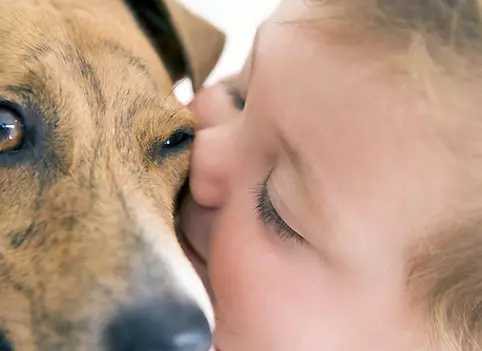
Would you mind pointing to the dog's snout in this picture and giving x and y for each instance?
(159, 325)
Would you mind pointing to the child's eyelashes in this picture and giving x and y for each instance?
(270, 217)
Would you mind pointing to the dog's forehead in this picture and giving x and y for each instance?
(87, 25)
(93, 46)
(105, 30)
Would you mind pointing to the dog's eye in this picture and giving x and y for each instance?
(178, 139)
(177, 142)
(11, 130)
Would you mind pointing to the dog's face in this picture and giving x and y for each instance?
(93, 148)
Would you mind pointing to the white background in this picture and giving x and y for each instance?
(239, 20)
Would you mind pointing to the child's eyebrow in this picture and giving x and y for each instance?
(299, 164)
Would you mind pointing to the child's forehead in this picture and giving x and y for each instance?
(308, 87)
(296, 57)
(296, 53)
(307, 76)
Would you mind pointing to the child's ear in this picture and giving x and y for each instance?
(189, 45)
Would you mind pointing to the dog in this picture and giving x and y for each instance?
(94, 148)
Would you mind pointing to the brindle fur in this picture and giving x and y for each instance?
(72, 243)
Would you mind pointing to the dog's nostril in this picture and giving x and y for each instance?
(159, 325)
(5, 344)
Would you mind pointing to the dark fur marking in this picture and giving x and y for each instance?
(135, 62)
(117, 190)
(23, 238)
(67, 56)
(127, 116)
(96, 155)
(71, 56)
(18, 238)
(93, 81)
(37, 53)
(140, 102)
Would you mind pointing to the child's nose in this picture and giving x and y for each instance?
(212, 160)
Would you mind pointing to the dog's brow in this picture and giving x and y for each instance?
(134, 61)
(38, 53)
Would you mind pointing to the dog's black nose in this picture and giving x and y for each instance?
(159, 325)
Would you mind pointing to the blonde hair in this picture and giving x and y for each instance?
(447, 30)
(445, 275)
(452, 22)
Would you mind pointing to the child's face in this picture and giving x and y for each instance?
(347, 158)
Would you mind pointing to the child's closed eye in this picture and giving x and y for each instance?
(270, 217)
(238, 99)
(234, 92)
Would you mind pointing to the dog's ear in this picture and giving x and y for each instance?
(189, 45)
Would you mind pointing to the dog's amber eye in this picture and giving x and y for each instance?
(11, 130)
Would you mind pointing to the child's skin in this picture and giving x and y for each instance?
(353, 167)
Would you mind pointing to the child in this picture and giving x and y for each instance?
(337, 182)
